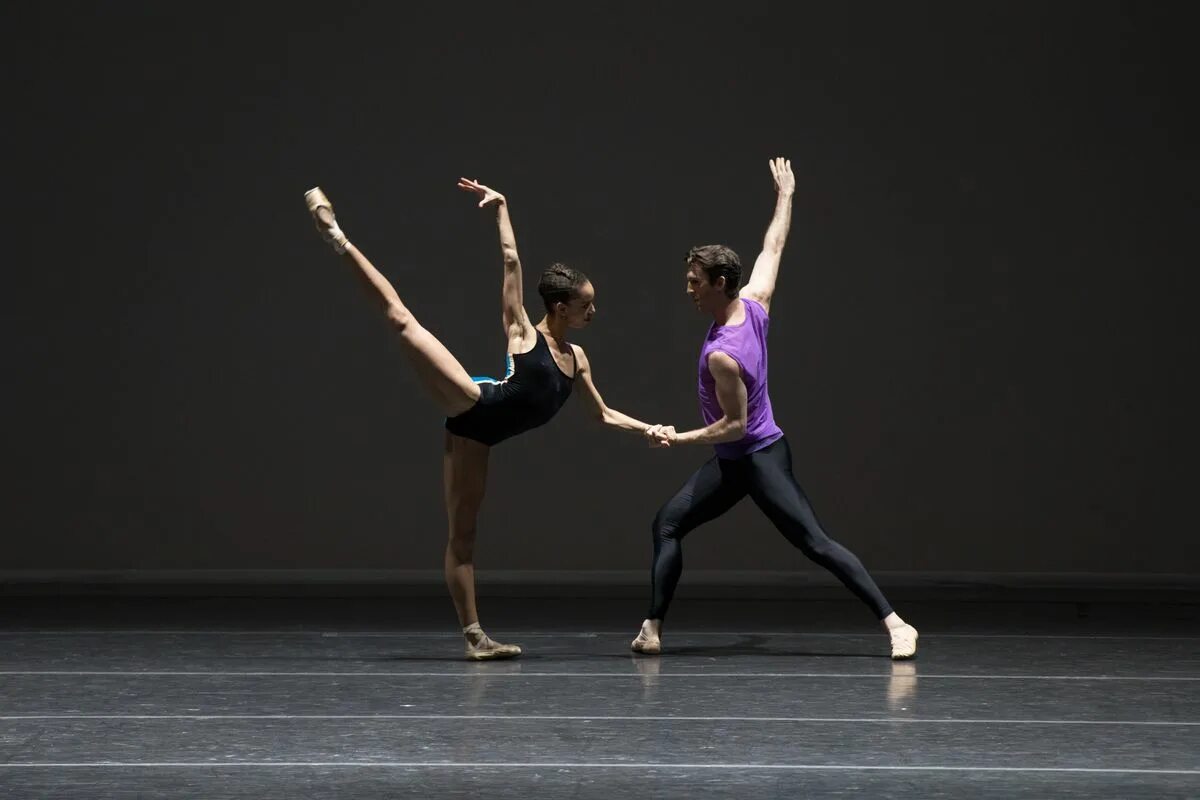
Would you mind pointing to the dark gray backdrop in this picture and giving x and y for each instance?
(981, 344)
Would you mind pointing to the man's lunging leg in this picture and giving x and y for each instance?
(708, 494)
(774, 489)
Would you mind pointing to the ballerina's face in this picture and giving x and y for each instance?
(581, 308)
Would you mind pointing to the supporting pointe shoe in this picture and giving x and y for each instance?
(646, 643)
(904, 642)
(481, 647)
(326, 224)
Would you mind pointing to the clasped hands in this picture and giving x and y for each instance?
(661, 435)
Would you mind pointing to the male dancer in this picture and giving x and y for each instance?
(752, 454)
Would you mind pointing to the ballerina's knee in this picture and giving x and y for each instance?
(462, 542)
(400, 318)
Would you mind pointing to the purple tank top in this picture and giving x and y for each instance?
(747, 345)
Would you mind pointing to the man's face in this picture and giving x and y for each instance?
(705, 296)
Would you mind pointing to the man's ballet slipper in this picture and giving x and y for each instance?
(315, 199)
(645, 644)
(904, 642)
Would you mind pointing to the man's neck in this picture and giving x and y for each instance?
(722, 315)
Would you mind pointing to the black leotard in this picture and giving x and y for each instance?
(532, 391)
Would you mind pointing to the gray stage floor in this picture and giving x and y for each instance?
(116, 698)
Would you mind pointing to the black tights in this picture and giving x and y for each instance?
(765, 475)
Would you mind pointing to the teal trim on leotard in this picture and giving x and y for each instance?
(509, 369)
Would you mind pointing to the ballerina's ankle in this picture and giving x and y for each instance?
(338, 239)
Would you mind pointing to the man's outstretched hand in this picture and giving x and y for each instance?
(781, 171)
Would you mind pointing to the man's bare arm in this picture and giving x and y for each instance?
(731, 395)
(761, 286)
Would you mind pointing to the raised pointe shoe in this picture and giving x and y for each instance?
(481, 647)
(326, 224)
(904, 642)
